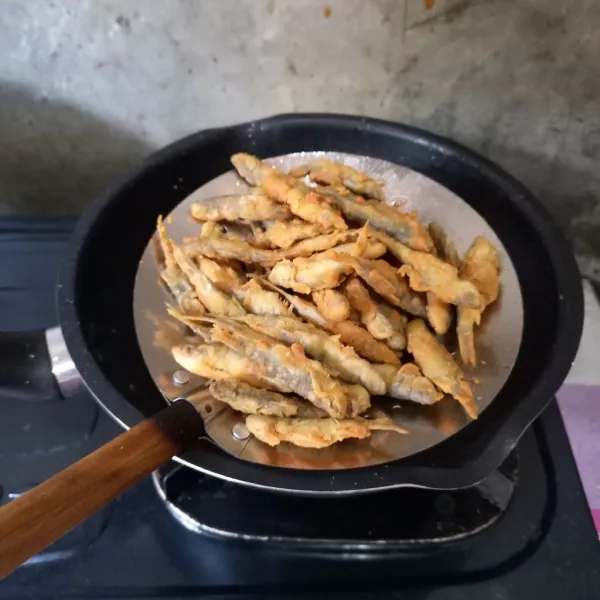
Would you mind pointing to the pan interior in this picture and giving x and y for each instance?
(498, 338)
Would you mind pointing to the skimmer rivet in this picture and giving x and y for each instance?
(240, 432)
(181, 377)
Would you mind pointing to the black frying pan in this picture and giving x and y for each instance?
(95, 296)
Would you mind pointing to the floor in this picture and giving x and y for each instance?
(579, 402)
(88, 87)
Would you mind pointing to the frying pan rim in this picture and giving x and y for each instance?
(568, 328)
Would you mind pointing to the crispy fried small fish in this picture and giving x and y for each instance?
(258, 401)
(371, 251)
(308, 247)
(219, 248)
(381, 321)
(216, 301)
(410, 384)
(443, 244)
(283, 234)
(303, 202)
(314, 433)
(240, 230)
(382, 278)
(362, 341)
(284, 273)
(249, 207)
(354, 316)
(202, 331)
(252, 169)
(359, 400)
(332, 304)
(307, 310)
(350, 333)
(361, 244)
(387, 372)
(174, 278)
(439, 313)
(291, 368)
(259, 301)
(336, 174)
(427, 273)
(467, 319)
(341, 360)
(226, 278)
(216, 361)
(438, 365)
(306, 275)
(399, 293)
(390, 320)
(388, 219)
(480, 266)
(283, 366)
(210, 229)
(234, 231)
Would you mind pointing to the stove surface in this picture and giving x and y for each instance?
(534, 534)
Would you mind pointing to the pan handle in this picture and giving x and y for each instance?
(39, 517)
(36, 366)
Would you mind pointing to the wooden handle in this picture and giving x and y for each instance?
(39, 517)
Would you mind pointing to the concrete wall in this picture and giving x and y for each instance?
(87, 87)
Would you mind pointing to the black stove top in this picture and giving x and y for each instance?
(526, 532)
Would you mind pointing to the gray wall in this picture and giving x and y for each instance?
(87, 87)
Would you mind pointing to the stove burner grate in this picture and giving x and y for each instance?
(384, 520)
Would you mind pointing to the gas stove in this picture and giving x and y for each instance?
(524, 532)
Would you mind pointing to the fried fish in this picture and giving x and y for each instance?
(259, 301)
(427, 273)
(304, 202)
(290, 368)
(372, 250)
(402, 226)
(410, 384)
(248, 207)
(252, 169)
(362, 341)
(306, 275)
(216, 361)
(320, 243)
(387, 372)
(215, 300)
(328, 172)
(350, 333)
(438, 365)
(203, 332)
(315, 433)
(443, 245)
(174, 278)
(218, 248)
(382, 278)
(439, 313)
(332, 304)
(226, 278)
(480, 266)
(382, 321)
(258, 401)
(283, 234)
(340, 359)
